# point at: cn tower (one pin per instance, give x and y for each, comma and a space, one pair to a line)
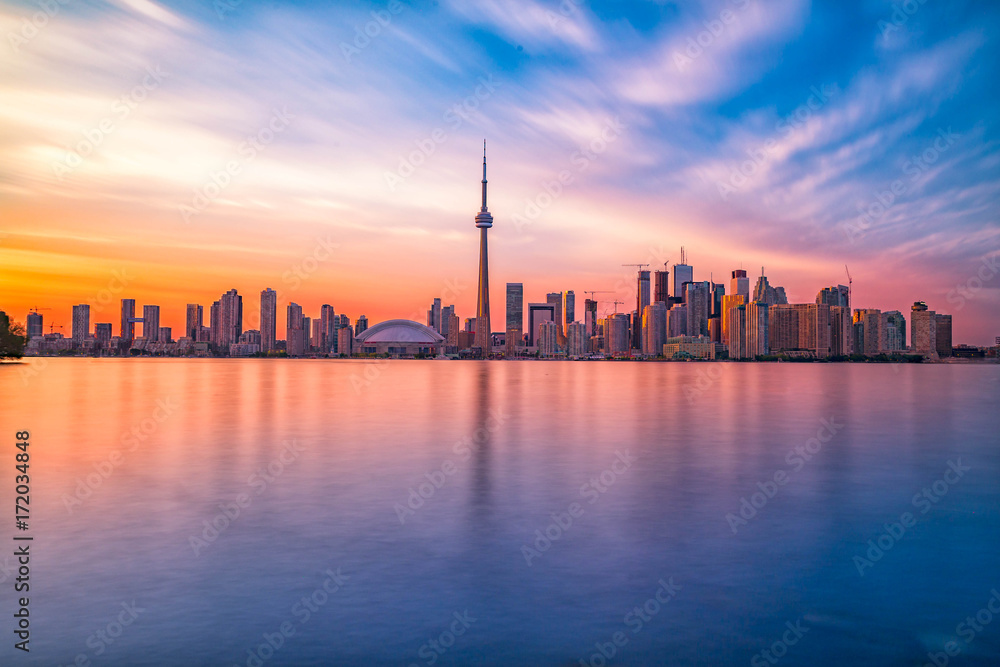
484, 221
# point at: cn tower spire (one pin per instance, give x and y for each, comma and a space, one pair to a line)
484, 209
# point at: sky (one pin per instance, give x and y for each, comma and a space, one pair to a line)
169, 152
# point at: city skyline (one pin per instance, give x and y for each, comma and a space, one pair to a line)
612, 137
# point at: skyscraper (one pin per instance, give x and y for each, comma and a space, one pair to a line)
661, 286
514, 315
740, 284
328, 330
193, 321
484, 220
729, 301
537, 313
34, 326
683, 273
102, 334
214, 326
698, 299
434, 315
362, 325
757, 325
942, 335
127, 330
293, 320
616, 334
231, 319
268, 319
894, 327
923, 327
81, 323
737, 323
556, 299
151, 323
590, 317
871, 318
546, 337
569, 308
654, 328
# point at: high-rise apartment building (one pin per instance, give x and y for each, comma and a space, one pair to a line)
871, 319
577, 340
737, 329
294, 318
841, 331
729, 301
569, 308
362, 325
268, 320
757, 329
151, 323
230, 319
546, 336
193, 321
514, 316
894, 329
127, 330
81, 323
654, 328
102, 334
923, 326
677, 321
616, 335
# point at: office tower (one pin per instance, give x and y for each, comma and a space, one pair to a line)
470, 325
268, 320
484, 220
642, 291
193, 321
871, 318
740, 285
317, 334
34, 327
151, 323
214, 326
590, 317
327, 328
556, 298
715, 329
164, 335
307, 327
294, 318
737, 318
102, 333
362, 325
345, 340
617, 334
654, 328
230, 319
923, 326
538, 313
683, 273
577, 340
834, 296
757, 328
841, 331
728, 302
661, 286
127, 330
894, 331
942, 335
569, 307
764, 293
858, 337
718, 292
434, 315
446, 313
677, 321
514, 315
698, 299
546, 337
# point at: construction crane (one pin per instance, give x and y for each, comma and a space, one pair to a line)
592, 292
36, 309
53, 326
637, 265
616, 302
850, 287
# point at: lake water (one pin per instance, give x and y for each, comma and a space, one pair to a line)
387, 512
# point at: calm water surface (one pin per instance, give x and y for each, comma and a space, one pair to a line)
132, 461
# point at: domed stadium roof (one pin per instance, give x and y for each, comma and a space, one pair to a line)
400, 331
